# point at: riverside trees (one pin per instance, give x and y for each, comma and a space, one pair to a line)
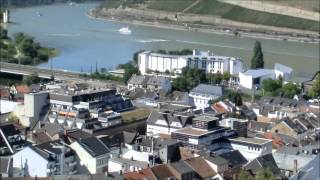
257, 59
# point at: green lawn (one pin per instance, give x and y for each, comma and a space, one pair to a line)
236, 13
170, 5
134, 115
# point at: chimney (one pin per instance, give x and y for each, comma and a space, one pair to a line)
295, 166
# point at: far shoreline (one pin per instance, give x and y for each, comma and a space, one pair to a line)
203, 30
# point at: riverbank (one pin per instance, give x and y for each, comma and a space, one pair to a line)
204, 28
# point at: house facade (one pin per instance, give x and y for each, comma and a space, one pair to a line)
152, 83
166, 122
93, 154
203, 93
50, 158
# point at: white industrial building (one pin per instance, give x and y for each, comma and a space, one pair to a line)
204, 60
253, 78
252, 148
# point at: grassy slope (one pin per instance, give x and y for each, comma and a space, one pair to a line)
170, 5
237, 13
228, 11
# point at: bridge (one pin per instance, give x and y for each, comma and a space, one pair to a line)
42, 72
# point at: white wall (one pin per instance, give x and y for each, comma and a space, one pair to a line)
251, 152
35, 164
245, 81
85, 158
114, 166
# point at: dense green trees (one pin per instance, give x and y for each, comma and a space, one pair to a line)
257, 59
23, 49
276, 88
235, 97
265, 174
244, 175
262, 174
188, 79
271, 87
176, 52
290, 89
315, 90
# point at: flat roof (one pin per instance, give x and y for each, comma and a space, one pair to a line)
206, 118
192, 131
258, 72
258, 141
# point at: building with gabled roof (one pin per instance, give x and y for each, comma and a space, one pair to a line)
166, 122
262, 162
46, 159
203, 93
93, 154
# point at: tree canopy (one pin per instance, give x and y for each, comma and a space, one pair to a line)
257, 59
188, 79
265, 174
315, 90
289, 90
271, 87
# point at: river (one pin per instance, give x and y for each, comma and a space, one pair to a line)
83, 42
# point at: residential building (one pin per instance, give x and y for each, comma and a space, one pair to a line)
182, 171
166, 122
262, 162
235, 159
93, 154
142, 174
18, 91
11, 140
50, 158
203, 169
240, 126
153, 83
290, 160
288, 127
251, 148
204, 130
253, 78
204, 60
203, 93
163, 171
123, 165
153, 150
309, 171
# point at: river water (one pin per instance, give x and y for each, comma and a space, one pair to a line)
83, 42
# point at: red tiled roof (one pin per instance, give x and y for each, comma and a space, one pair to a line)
142, 174
199, 165
4, 93
22, 89
276, 141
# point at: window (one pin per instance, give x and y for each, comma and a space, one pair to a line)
204, 64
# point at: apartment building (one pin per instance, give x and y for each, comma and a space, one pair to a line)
204, 60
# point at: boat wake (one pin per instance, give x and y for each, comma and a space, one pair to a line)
152, 40
64, 35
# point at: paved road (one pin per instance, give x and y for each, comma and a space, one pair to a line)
58, 74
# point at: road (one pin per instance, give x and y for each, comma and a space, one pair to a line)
58, 74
